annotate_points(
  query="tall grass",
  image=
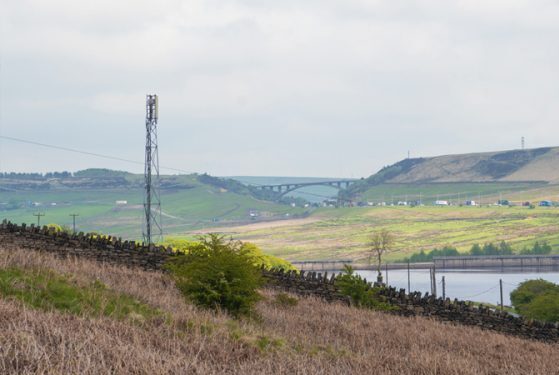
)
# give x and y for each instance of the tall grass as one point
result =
(309, 337)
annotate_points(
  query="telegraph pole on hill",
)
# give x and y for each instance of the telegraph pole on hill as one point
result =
(74, 221)
(39, 215)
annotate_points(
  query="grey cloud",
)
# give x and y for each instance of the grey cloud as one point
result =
(325, 87)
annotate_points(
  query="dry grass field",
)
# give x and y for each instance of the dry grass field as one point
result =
(345, 233)
(312, 337)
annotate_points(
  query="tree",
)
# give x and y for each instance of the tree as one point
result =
(530, 289)
(218, 274)
(544, 307)
(381, 243)
(476, 250)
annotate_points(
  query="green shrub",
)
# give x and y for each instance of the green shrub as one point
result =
(250, 250)
(525, 293)
(360, 292)
(543, 307)
(218, 274)
(537, 299)
(60, 228)
(260, 259)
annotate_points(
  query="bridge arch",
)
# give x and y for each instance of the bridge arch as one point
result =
(284, 189)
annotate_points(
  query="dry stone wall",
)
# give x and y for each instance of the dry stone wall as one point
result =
(133, 254)
(101, 248)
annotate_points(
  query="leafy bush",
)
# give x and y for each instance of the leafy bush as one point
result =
(252, 251)
(360, 292)
(218, 274)
(537, 299)
(60, 228)
(260, 259)
(543, 307)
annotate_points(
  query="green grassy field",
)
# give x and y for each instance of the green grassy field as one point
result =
(344, 233)
(307, 233)
(182, 209)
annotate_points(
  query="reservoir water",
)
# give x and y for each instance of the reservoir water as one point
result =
(481, 285)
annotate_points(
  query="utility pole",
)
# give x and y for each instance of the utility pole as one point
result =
(522, 143)
(74, 221)
(386, 270)
(433, 281)
(444, 288)
(501, 292)
(152, 202)
(39, 215)
(409, 286)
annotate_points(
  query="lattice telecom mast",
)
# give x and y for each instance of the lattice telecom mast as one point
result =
(152, 201)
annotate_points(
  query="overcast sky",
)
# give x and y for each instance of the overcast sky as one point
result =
(284, 88)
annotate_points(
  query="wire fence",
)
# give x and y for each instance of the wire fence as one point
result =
(495, 291)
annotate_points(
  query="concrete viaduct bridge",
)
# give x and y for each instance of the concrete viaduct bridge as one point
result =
(284, 189)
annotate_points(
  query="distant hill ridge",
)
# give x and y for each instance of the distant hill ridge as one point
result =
(538, 164)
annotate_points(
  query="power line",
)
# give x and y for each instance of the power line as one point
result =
(68, 149)
(111, 157)
(485, 291)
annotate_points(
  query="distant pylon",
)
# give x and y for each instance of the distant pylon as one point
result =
(522, 143)
(152, 231)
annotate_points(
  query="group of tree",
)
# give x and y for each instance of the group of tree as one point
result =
(537, 299)
(89, 173)
(489, 248)
(34, 176)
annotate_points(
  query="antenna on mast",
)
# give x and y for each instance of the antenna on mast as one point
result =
(152, 230)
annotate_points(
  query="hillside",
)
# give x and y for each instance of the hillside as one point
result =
(539, 164)
(93, 319)
(111, 201)
(345, 233)
(460, 177)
